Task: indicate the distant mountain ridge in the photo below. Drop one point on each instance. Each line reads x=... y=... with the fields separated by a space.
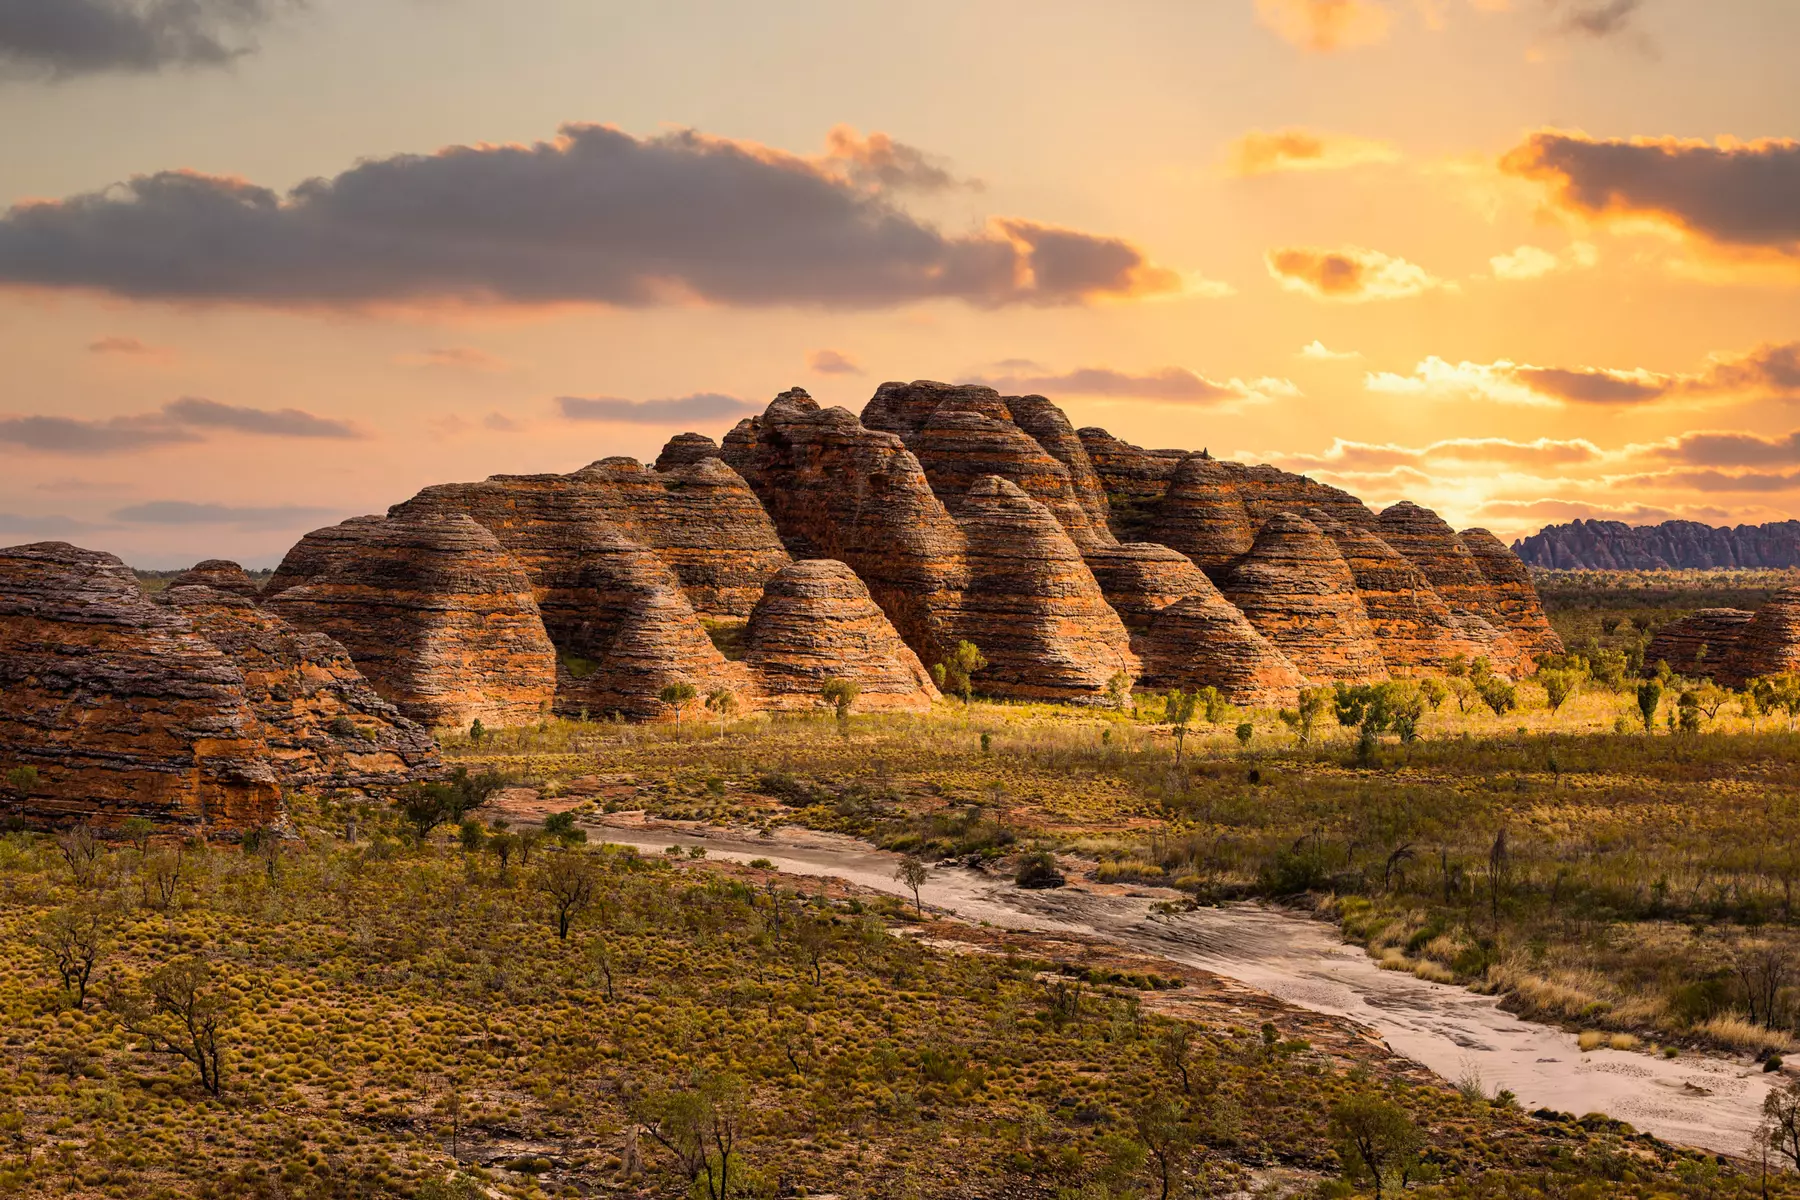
x=1614 y=545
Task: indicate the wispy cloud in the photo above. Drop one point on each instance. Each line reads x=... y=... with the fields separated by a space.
x=1767 y=372
x=1260 y=153
x=185 y=512
x=1319 y=352
x=701 y=406
x=180 y=422
x=1168 y=384
x=1533 y=262
x=831 y=362
x=126 y=347
x=1324 y=26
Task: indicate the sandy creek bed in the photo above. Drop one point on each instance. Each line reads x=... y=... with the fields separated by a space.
x=1693 y=1100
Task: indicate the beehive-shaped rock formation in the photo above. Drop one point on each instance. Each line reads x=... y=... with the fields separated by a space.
x=1706 y=644
x=1415 y=630
x=685 y=449
x=961 y=434
x=326 y=727
x=816 y=622
x=1770 y=642
x=1453 y=572
x=1185 y=633
x=320 y=552
x=1032 y=605
x=836 y=489
x=1297 y=590
x=118 y=704
x=1051 y=428
x=438 y=617
x=1202 y=514
x=221 y=575
x=1133 y=478
x=1512 y=594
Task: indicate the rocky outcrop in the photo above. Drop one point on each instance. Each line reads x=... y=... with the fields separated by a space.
x=1705 y=644
x=118 y=704
x=325 y=726
x=1769 y=643
x=1185 y=633
x=1512 y=593
x=1299 y=593
x=685 y=449
x=816 y=622
x=221 y=575
x=1202 y=514
x=962 y=434
x=836 y=489
x=1453 y=572
x=320 y=552
x=1672 y=545
x=1414 y=628
x=1052 y=429
x=1133 y=478
x=1032 y=605
x=435 y=613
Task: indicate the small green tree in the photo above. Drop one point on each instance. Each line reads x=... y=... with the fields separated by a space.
x=22 y=779
x=74 y=939
x=568 y=878
x=841 y=694
x=561 y=826
x=138 y=831
x=1163 y=1127
x=913 y=873
x=1178 y=710
x=1434 y=691
x=1780 y=1128
x=1558 y=687
x=1245 y=731
x=677 y=696
x=722 y=702
x=1304 y=719
x=1649 y=699
x=176 y=1010
x=471 y=835
x=699 y=1125
x=1497 y=694
x=956 y=673
x=1213 y=704
x=1118 y=690
x=477 y=731
x=1376 y=1140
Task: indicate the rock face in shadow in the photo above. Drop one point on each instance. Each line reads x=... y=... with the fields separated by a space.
x=816 y=622
x=836 y=489
x=1512 y=593
x=1299 y=593
x=437 y=616
x=1185 y=633
x=1455 y=574
x=1032 y=605
x=320 y=552
x=1770 y=641
x=1133 y=478
x=120 y=706
x=325 y=726
x=1708 y=643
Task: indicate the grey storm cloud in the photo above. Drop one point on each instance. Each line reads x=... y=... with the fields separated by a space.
x=48 y=526
x=179 y=422
x=186 y=512
x=1591 y=385
x=78 y=37
x=596 y=216
x=1745 y=195
x=701 y=406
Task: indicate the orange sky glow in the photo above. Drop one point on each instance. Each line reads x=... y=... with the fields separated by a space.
x=1517 y=260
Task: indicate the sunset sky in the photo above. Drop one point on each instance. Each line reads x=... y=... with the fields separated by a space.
x=269 y=263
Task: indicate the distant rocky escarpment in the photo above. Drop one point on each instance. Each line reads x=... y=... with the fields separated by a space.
x=809 y=545
x=1672 y=545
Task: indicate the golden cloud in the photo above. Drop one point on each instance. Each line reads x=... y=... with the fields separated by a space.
x=1351 y=274
x=1264 y=153
x=1767 y=372
x=1324 y=26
